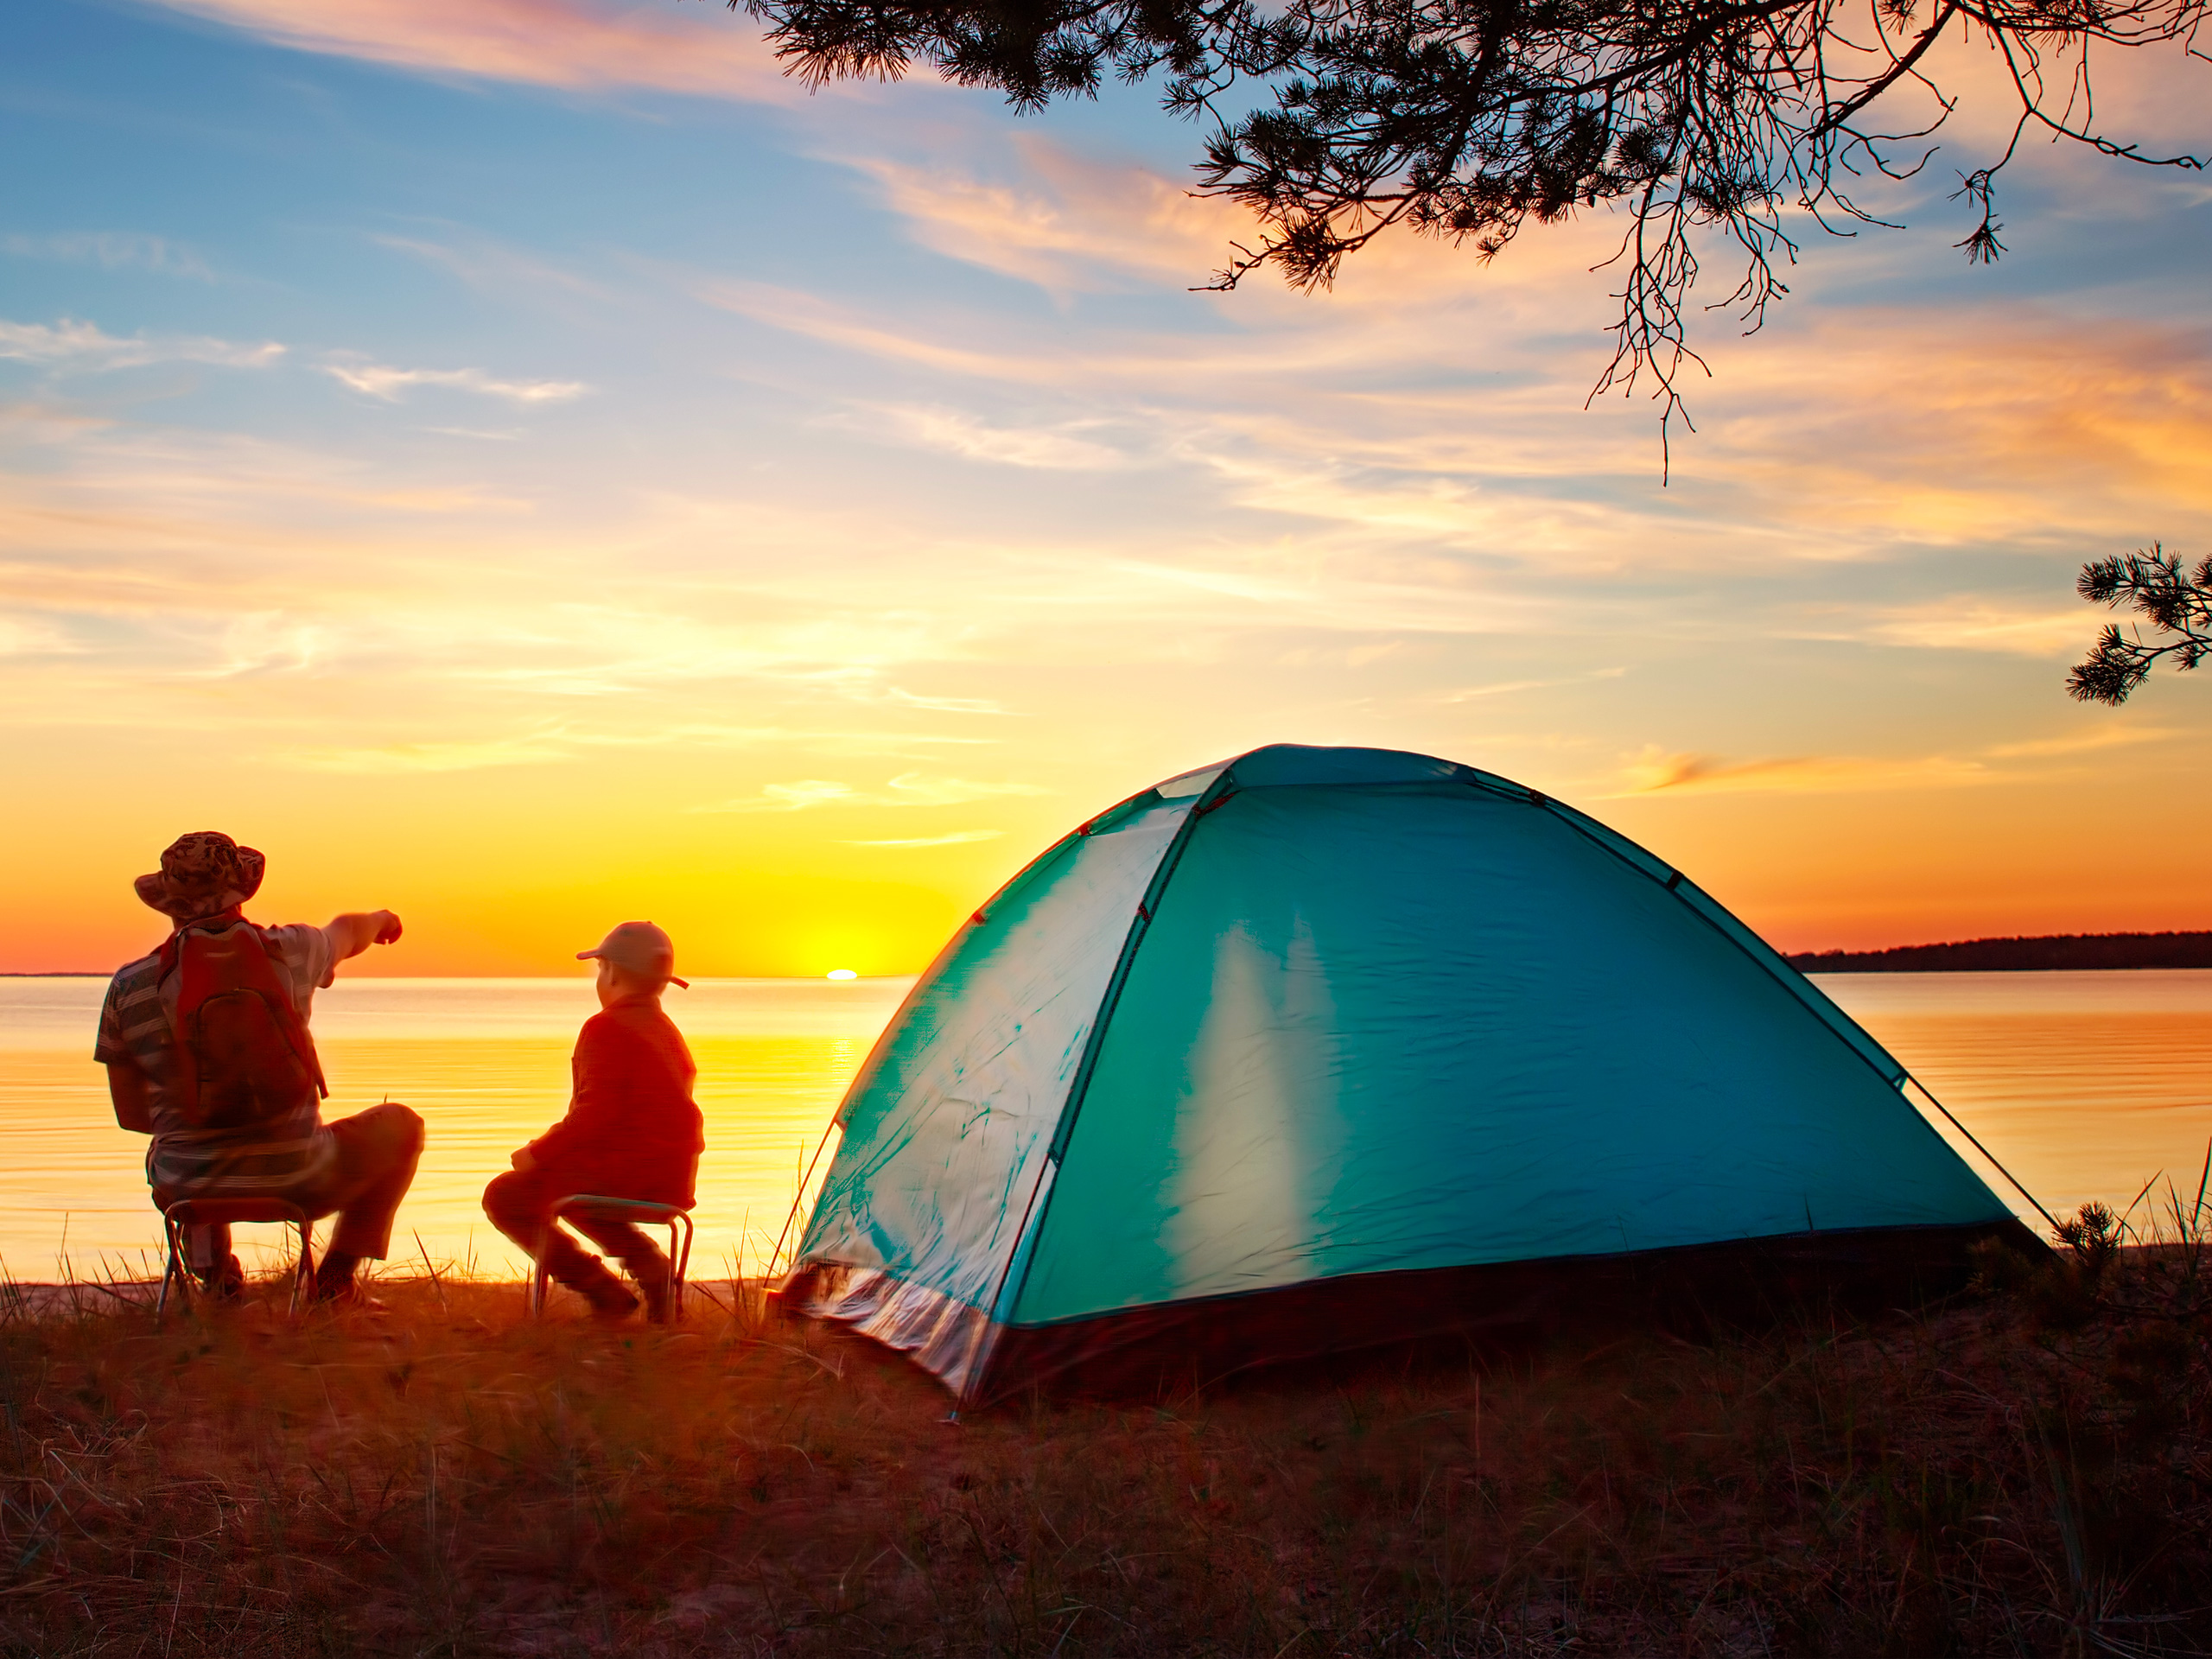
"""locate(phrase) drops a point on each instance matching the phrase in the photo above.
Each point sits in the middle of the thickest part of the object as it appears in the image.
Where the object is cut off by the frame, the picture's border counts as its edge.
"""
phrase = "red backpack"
(242, 1054)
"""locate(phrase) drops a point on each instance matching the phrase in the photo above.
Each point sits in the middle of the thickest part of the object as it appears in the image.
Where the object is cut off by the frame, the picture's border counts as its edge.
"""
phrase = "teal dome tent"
(1325, 1047)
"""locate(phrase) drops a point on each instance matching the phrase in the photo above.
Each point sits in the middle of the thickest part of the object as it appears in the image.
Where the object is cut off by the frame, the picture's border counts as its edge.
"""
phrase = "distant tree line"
(2045, 952)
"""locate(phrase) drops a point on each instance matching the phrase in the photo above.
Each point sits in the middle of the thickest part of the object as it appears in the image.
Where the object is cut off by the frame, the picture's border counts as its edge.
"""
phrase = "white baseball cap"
(640, 947)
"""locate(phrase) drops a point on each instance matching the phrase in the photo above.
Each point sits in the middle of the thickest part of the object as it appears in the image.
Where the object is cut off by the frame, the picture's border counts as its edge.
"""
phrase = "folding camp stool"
(186, 1211)
(591, 1206)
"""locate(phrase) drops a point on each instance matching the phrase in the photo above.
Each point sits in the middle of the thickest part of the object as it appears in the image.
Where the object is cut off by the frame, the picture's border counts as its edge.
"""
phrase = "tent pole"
(1928, 1097)
(1079, 1085)
(798, 1198)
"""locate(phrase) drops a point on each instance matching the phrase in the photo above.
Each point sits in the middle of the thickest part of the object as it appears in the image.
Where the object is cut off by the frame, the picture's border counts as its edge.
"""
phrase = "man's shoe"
(334, 1286)
(225, 1284)
(348, 1298)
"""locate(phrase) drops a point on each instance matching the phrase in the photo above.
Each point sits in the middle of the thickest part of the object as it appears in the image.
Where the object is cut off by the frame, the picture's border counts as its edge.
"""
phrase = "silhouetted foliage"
(2173, 601)
(1334, 120)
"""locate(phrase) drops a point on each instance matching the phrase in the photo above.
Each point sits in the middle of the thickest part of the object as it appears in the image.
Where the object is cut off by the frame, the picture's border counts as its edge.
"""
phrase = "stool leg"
(303, 1272)
(674, 1278)
(170, 1268)
(679, 1265)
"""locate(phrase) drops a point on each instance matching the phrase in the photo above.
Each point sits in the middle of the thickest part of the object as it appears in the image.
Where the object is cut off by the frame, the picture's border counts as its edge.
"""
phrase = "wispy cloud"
(549, 743)
(942, 705)
(26, 636)
(2108, 737)
(1052, 447)
(404, 758)
(259, 644)
(1656, 771)
(387, 384)
(794, 797)
(1967, 623)
(1065, 223)
(112, 251)
(1428, 399)
(909, 789)
(493, 267)
(70, 344)
(2011, 424)
(571, 43)
(1506, 688)
(1503, 688)
(959, 837)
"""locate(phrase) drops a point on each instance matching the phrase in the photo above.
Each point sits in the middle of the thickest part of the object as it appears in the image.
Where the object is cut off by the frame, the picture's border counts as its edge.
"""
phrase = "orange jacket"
(633, 1130)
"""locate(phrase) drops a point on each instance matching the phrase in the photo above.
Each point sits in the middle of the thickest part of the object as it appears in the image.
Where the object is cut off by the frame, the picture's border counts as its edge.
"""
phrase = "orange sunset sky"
(536, 467)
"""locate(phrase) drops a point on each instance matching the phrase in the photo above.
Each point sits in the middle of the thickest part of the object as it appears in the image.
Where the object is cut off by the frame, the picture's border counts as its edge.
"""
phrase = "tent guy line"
(1929, 1094)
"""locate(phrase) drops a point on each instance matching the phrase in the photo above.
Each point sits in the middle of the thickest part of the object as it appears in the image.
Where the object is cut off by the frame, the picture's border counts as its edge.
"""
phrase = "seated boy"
(631, 1131)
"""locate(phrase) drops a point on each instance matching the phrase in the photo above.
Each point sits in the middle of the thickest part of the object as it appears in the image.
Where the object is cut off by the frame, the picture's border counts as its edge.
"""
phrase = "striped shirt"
(139, 1028)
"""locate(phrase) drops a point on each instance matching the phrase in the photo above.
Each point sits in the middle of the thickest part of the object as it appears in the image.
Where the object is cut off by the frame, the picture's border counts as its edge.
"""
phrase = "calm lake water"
(2085, 1084)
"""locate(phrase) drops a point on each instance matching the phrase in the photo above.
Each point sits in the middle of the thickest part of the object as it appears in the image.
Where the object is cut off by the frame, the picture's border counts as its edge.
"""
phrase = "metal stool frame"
(631, 1210)
(186, 1211)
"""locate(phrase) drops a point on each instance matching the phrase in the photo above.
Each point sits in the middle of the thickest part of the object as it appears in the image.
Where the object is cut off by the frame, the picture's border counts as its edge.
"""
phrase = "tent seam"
(865, 1077)
(1139, 925)
(1793, 982)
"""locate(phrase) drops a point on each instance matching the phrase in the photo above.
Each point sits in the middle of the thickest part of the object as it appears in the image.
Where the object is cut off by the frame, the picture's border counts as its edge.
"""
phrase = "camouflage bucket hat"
(202, 874)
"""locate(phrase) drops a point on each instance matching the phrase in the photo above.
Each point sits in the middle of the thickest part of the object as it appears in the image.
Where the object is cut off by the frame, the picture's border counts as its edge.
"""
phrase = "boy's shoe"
(225, 1284)
(650, 1271)
(611, 1304)
(588, 1277)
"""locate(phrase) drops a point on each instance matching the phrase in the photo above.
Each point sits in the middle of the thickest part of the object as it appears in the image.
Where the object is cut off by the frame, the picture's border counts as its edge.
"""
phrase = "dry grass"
(2026, 1471)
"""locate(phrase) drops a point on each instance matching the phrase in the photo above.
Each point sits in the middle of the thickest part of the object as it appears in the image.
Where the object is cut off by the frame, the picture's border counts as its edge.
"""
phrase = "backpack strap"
(295, 1029)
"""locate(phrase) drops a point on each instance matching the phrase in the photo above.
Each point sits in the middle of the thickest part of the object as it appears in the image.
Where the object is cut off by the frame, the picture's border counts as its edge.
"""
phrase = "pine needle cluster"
(2176, 602)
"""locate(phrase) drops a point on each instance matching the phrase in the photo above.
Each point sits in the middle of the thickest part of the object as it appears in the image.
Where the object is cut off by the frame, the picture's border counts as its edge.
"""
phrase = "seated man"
(207, 1049)
(631, 1131)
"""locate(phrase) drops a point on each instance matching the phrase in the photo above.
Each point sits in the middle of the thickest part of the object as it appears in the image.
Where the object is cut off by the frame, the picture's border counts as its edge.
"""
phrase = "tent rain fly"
(1323, 1047)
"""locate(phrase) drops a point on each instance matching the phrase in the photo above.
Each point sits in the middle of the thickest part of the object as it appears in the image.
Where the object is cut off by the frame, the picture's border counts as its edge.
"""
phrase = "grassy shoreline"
(2024, 1469)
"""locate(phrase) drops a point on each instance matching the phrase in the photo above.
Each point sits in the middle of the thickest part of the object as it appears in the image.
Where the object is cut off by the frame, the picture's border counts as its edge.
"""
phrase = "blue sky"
(537, 458)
